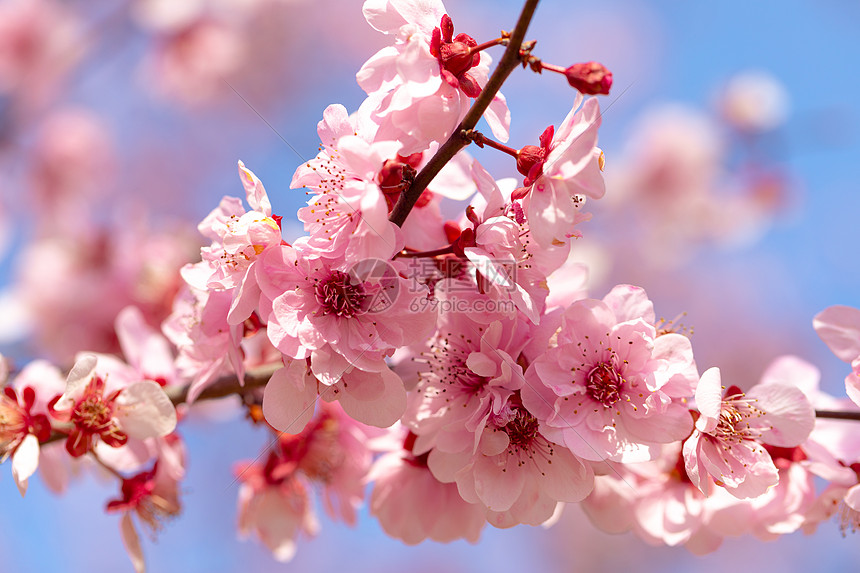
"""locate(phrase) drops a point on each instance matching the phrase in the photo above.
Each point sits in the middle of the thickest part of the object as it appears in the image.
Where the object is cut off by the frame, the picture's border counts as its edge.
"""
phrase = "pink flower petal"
(788, 411)
(132, 542)
(374, 398)
(839, 328)
(145, 411)
(289, 398)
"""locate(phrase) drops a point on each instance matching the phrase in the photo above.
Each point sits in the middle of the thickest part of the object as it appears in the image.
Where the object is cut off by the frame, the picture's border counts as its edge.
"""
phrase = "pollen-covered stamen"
(848, 518)
(13, 424)
(448, 373)
(337, 295)
(736, 413)
(521, 430)
(603, 384)
(92, 414)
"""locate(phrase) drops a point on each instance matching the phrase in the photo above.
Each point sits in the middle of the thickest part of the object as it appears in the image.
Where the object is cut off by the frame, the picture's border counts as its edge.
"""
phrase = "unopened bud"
(590, 78)
(528, 157)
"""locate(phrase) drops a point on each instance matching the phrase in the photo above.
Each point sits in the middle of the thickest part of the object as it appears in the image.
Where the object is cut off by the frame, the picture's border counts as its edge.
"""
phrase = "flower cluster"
(459, 366)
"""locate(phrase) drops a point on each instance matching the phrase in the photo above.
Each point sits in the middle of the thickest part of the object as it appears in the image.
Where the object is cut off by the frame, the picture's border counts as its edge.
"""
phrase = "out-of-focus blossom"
(754, 101)
(38, 44)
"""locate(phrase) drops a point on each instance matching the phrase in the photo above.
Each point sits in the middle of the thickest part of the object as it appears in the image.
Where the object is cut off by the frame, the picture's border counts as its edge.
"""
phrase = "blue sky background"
(659, 51)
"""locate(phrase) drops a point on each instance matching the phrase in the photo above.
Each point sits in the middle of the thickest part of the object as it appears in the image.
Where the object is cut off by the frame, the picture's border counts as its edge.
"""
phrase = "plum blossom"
(347, 319)
(152, 495)
(422, 85)
(239, 237)
(727, 445)
(412, 505)
(612, 387)
(98, 411)
(24, 423)
(561, 173)
(515, 473)
(274, 504)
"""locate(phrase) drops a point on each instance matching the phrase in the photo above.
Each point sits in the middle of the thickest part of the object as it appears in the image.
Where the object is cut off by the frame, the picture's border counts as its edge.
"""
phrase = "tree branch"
(838, 415)
(510, 60)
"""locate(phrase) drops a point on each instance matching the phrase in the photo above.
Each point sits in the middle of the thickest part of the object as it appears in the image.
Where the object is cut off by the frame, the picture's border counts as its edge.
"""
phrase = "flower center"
(338, 296)
(603, 384)
(12, 423)
(522, 429)
(92, 414)
(735, 415)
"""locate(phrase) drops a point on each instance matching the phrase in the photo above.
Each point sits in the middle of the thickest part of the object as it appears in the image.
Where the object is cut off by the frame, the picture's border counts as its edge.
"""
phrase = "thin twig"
(510, 60)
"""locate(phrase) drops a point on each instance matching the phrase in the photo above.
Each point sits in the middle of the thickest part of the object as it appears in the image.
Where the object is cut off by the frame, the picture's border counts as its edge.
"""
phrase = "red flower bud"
(589, 78)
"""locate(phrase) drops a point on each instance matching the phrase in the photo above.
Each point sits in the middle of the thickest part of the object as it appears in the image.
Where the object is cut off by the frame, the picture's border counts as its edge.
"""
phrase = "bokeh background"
(178, 107)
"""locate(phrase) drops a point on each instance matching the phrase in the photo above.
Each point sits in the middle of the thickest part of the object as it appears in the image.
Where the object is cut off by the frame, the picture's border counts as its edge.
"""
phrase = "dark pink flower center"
(522, 429)
(603, 384)
(337, 295)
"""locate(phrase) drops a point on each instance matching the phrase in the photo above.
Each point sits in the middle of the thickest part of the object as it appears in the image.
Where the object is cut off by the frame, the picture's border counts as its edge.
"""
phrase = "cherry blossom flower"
(274, 504)
(239, 237)
(152, 495)
(516, 473)
(24, 422)
(612, 388)
(140, 410)
(560, 173)
(422, 85)
(412, 505)
(727, 444)
(327, 311)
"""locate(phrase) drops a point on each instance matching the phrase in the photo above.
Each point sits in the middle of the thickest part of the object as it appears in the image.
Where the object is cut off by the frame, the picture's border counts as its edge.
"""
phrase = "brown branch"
(510, 60)
(838, 415)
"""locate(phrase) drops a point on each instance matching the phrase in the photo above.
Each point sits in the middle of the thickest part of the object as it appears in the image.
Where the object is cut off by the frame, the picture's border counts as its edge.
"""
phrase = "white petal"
(145, 411)
(709, 397)
(79, 377)
(25, 460)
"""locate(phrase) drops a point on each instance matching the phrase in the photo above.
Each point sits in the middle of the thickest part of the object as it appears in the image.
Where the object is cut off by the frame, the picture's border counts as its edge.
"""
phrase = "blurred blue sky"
(660, 50)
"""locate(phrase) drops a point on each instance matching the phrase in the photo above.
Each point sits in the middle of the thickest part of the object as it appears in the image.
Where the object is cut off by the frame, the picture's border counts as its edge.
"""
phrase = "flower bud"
(590, 78)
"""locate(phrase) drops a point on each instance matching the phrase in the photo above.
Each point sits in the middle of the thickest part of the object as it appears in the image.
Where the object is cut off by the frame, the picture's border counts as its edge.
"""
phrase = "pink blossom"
(140, 410)
(727, 444)
(412, 505)
(239, 237)
(32, 34)
(330, 452)
(152, 495)
(463, 379)
(347, 319)
(562, 172)
(611, 389)
(516, 473)
(24, 422)
(420, 91)
(839, 328)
